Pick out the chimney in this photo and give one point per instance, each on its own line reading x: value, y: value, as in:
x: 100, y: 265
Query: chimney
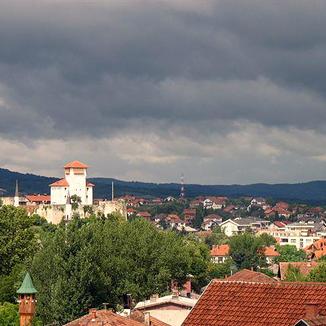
x: 147, y: 318
x: 93, y: 313
x: 153, y: 297
x: 311, y: 310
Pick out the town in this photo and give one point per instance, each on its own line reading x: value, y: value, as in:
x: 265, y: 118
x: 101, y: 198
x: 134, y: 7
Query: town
x: 252, y: 245
x: 162, y: 163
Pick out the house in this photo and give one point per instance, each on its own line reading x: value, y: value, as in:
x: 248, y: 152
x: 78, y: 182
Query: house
x: 282, y: 204
x: 170, y: 309
x: 104, y: 317
x: 317, y: 249
x: 175, y: 221
x: 74, y: 183
x: 277, y: 226
x: 146, y: 215
x: 270, y: 253
x: 246, y: 275
x: 169, y: 199
x: 299, y: 234
x: 131, y: 211
x: 189, y: 215
x: 227, y: 302
x: 38, y: 199
x: 258, y: 201
x: 240, y: 225
x: 304, y: 268
x: 214, y: 202
x: 210, y: 221
x: 230, y: 209
x: 220, y: 253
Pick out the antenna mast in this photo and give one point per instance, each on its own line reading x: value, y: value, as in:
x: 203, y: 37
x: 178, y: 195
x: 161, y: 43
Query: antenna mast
x: 182, y: 190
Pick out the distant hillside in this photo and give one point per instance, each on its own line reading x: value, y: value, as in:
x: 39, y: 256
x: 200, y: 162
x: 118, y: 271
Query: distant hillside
x: 310, y: 192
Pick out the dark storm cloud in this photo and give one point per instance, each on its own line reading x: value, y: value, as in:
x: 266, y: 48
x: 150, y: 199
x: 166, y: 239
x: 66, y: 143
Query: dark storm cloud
x: 69, y: 67
x: 165, y: 86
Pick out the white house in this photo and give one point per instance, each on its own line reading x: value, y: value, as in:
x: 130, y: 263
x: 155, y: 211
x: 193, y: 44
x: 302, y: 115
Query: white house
x: 74, y: 183
x: 240, y: 225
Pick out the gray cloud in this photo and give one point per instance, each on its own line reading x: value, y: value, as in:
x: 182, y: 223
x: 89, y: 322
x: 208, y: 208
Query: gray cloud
x: 192, y: 73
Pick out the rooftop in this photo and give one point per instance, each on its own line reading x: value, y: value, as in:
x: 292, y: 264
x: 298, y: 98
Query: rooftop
x: 242, y: 303
x: 174, y: 299
x: 60, y: 183
x: 27, y: 286
x: 247, y: 275
x: 103, y: 317
x: 76, y: 165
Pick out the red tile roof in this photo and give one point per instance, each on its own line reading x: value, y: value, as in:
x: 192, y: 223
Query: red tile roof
x: 271, y: 252
x: 316, y: 321
x: 247, y: 275
x: 222, y: 250
x: 140, y: 317
x: 76, y: 165
x: 255, y: 304
x: 317, y: 249
x: 279, y: 224
x: 60, y: 183
x: 104, y: 317
x: 304, y: 267
x: 144, y: 214
x: 38, y: 198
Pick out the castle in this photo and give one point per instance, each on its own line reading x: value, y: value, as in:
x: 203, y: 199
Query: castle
x: 72, y: 195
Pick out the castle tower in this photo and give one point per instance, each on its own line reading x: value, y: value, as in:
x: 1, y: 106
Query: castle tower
x: 75, y: 182
x: 27, y: 301
x: 16, y: 198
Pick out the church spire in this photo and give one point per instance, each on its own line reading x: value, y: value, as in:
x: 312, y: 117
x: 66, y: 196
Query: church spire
x: 27, y: 301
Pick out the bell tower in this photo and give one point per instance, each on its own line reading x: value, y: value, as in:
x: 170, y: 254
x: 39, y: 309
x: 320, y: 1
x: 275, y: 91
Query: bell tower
x: 27, y: 301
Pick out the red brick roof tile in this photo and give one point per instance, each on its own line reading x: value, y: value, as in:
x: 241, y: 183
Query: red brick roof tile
x: 104, y: 317
x: 304, y: 267
x: 76, y: 165
x: 60, y: 183
x: 222, y: 250
x: 255, y: 304
x: 38, y: 198
x: 247, y: 275
x: 271, y: 252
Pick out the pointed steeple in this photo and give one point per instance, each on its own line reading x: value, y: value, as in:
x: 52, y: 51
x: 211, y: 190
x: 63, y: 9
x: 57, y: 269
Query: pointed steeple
x: 27, y: 286
x: 27, y: 301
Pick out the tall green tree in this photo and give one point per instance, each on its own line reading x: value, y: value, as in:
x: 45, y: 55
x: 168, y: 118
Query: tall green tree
x: 290, y: 253
x: 318, y: 274
x: 9, y: 314
x: 217, y: 237
x: 17, y: 238
x: 88, y: 262
x: 246, y: 250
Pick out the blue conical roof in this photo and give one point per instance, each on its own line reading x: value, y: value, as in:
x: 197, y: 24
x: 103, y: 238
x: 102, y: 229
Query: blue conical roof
x: 27, y: 287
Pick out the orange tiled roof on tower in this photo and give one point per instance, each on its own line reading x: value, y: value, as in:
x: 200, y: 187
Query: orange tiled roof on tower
x: 60, y: 183
x: 76, y: 165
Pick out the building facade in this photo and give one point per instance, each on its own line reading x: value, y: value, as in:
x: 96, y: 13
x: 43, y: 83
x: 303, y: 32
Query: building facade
x: 74, y: 183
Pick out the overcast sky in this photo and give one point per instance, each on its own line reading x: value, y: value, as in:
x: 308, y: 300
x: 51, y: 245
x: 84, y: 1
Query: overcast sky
x: 224, y: 91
